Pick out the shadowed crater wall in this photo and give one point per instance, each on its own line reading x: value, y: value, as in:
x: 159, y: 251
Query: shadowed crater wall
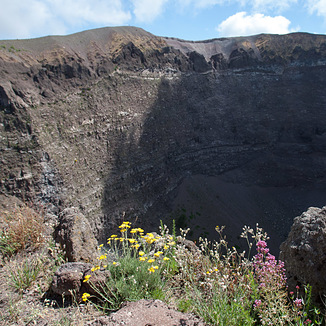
x: 227, y: 148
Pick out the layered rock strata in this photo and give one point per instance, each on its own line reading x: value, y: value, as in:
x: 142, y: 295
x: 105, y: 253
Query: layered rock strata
x: 118, y: 122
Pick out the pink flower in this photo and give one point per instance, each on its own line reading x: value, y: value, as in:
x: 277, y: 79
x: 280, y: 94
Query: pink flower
x: 257, y: 303
x: 298, y: 303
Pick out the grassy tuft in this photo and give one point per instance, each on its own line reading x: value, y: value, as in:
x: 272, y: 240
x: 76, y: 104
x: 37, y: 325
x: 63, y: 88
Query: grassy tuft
x: 23, y: 275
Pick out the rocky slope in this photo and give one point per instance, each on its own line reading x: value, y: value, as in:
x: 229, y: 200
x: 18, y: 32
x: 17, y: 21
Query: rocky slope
x: 120, y: 123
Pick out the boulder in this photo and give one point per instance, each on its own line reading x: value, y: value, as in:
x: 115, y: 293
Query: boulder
x: 304, y: 251
x: 75, y: 235
x: 69, y: 279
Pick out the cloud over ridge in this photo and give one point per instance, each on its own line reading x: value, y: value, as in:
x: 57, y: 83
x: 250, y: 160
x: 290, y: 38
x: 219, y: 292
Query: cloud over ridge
x: 243, y: 24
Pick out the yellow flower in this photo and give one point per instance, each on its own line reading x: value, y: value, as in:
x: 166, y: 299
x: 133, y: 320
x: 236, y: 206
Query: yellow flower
x: 136, y: 246
x: 151, y: 260
x: 114, y: 236
x: 95, y: 268
x: 151, y: 269
x: 132, y: 240
x: 141, y: 253
x: 155, y: 267
x: 86, y: 278
x: 105, y: 266
x: 166, y: 247
x: 85, y: 296
x: 172, y: 243
x: 133, y: 231
x: 114, y: 263
x: 124, y: 225
x: 149, y: 238
x: 142, y: 258
x: 166, y: 258
x: 158, y: 254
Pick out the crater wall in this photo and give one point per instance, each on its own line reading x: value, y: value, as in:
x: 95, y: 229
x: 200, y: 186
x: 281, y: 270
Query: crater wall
x: 126, y: 125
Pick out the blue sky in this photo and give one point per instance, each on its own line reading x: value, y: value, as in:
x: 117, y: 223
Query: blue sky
x: 185, y: 19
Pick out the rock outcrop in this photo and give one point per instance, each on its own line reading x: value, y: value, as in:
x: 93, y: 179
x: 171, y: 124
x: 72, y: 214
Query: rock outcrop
x: 304, y: 251
x: 119, y: 122
x: 75, y: 235
x: 69, y: 279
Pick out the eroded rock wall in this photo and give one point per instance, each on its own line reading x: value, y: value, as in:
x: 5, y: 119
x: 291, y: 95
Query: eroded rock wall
x: 113, y: 121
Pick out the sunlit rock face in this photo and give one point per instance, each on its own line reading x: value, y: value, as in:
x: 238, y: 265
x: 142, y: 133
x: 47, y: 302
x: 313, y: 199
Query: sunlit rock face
x: 123, y: 124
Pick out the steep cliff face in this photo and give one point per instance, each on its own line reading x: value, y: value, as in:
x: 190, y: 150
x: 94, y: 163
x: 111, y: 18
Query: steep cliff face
x: 119, y: 122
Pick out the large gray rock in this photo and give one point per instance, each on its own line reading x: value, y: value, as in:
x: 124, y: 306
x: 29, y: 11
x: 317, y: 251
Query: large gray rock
x: 304, y: 251
x: 74, y: 233
x: 69, y: 279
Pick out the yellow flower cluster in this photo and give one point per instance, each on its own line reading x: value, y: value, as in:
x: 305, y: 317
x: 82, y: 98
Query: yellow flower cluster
x: 152, y: 269
x: 142, y: 256
x: 149, y: 238
x: 135, y: 242
x: 124, y: 226
x: 85, y: 296
x: 87, y: 277
x: 95, y: 268
x: 212, y: 271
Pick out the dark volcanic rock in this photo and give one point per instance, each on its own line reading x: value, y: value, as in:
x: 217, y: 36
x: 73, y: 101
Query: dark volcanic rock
x: 76, y: 236
x: 68, y: 279
x: 304, y: 251
x: 118, y: 122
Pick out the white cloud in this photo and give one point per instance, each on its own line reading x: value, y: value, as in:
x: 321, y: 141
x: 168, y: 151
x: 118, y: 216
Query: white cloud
x: 266, y: 5
x: 31, y: 18
x: 104, y: 12
x: 148, y: 10
x: 207, y: 3
x: 20, y: 19
x: 203, y: 4
x: 242, y: 24
x: 256, y: 5
x: 318, y: 6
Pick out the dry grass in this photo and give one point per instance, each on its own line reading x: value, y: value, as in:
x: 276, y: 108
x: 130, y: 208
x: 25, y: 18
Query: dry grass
x: 21, y: 228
